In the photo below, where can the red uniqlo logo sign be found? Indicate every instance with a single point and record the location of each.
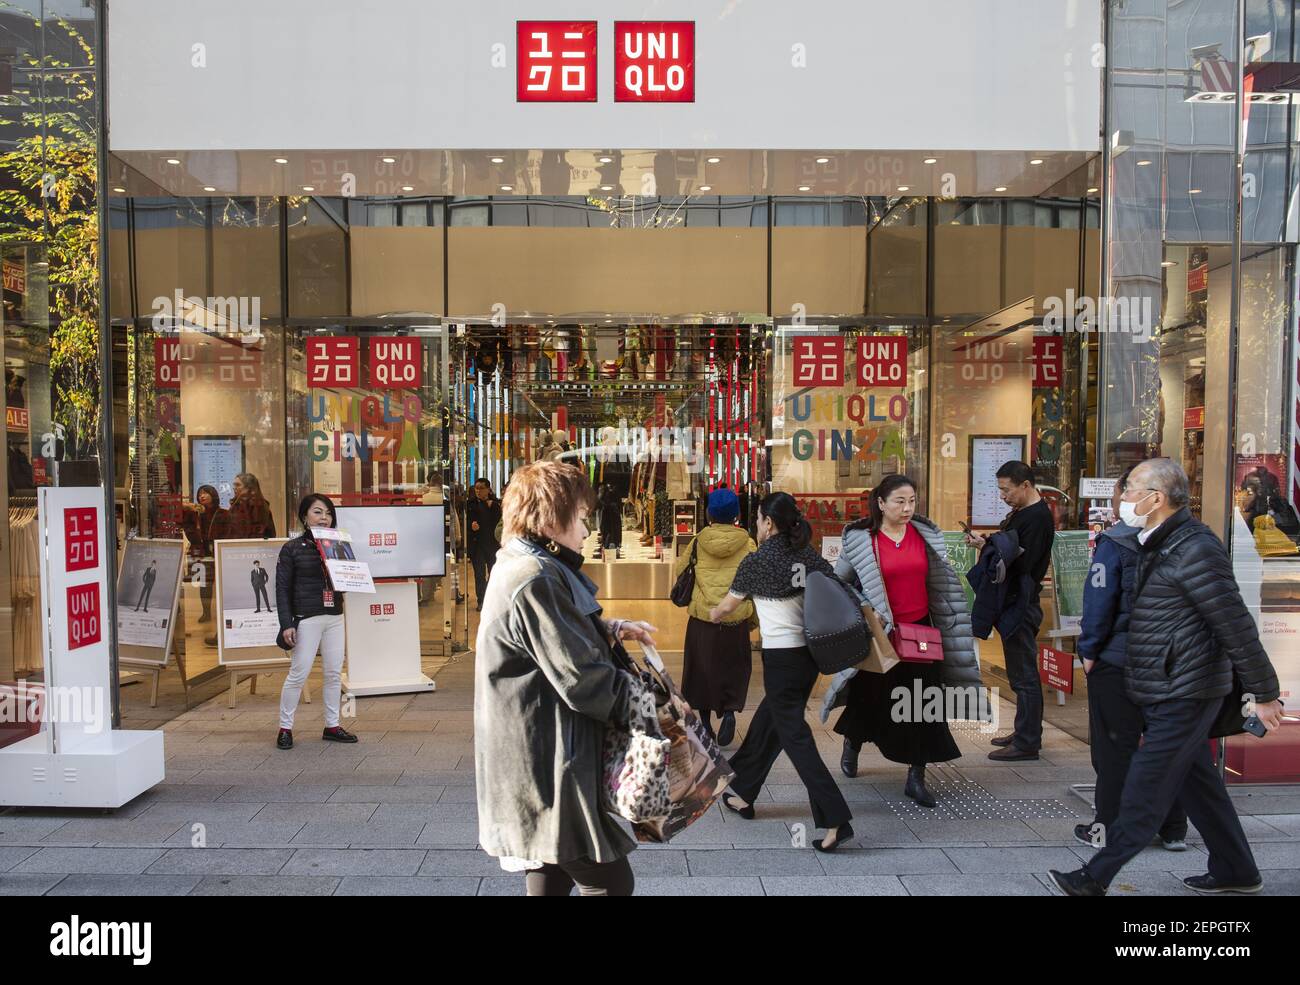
(389, 608)
(333, 361)
(819, 361)
(394, 363)
(654, 61)
(80, 538)
(374, 608)
(390, 540)
(1048, 350)
(882, 360)
(167, 364)
(83, 615)
(556, 62)
(376, 540)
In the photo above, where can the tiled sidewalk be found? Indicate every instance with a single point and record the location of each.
(395, 814)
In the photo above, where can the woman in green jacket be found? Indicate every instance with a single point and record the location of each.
(717, 660)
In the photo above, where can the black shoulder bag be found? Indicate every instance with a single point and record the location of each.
(684, 587)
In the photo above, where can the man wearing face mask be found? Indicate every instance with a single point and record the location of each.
(1189, 635)
(1114, 722)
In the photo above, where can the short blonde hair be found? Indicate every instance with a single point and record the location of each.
(544, 496)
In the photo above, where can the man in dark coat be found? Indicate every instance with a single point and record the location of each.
(483, 513)
(1189, 634)
(148, 578)
(259, 578)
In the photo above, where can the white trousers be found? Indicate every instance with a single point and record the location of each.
(326, 633)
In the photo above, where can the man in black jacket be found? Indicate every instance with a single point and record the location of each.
(1189, 634)
(483, 513)
(1032, 522)
(259, 578)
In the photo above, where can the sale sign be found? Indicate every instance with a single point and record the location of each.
(1056, 669)
(882, 360)
(818, 360)
(394, 364)
(333, 361)
(83, 615)
(556, 62)
(654, 61)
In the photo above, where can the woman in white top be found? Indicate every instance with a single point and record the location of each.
(774, 576)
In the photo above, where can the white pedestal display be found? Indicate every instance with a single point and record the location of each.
(383, 641)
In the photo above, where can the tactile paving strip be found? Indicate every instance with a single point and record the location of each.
(965, 800)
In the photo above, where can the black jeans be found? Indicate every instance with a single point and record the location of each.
(591, 878)
(779, 726)
(1173, 763)
(482, 564)
(1021, 652)
(1115, 730)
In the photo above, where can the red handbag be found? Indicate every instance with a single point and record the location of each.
(915, 643)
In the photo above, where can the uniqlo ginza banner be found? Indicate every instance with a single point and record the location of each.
(74, 589)
(497, 74)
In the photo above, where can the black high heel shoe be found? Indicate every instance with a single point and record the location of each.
(746, 812)
(842, 834)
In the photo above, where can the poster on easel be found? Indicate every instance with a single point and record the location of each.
(148, 595)
(247, 622)
(988, 453)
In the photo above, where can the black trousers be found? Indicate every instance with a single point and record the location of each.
(260, 596)
(1021, 652)
(1115, 730)
(1173, 763)
(591, 878)
(779, 726)
(482, 565)
(143, 599)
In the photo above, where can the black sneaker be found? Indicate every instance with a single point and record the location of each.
(284, 740)
(1083, 834)
(1077, 883)
(338, 734)
(1207, 884)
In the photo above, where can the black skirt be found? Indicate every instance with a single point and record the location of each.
(716, 665)
(868, 715)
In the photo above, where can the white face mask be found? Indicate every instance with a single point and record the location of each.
(1129, 514)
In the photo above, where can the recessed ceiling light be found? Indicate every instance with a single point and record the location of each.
(1093, 191)
(714, 160)
(823, 160)
(309, 188)
(904, 188)
(706, 188)
(172, 160)
(209, 188)
(931, 160)
(607, 188)
(498, 160)
(408, 188)
(507, 188)
(605, 160)
(1193, 191)
(1168, 263)
(389, 160)
(1036, 160)
(805, 188)
(281, 160)
(1000, 188)
(1143, 164)
(122, 191)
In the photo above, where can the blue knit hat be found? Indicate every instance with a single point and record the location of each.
(723, 505)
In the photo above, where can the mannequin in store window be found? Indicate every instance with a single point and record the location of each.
(311, 619)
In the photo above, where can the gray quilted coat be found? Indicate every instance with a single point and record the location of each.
(947, 606)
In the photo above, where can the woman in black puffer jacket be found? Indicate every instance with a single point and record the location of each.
(311, 617)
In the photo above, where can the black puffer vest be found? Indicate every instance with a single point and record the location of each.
(1189, 629)
(300, 583)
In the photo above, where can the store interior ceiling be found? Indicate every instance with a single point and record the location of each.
(615, 172)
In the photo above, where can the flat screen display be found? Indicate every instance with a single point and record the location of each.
(397, 541)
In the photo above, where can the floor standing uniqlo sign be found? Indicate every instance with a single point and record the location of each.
(1056, 669)
(333, 361)
(654, 61)
(818, 360)
(80, 539)
(556, 61)
(882, 360)
(83, 615)
(394, 364)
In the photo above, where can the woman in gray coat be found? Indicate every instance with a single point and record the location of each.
(546, 686)
(897, 561)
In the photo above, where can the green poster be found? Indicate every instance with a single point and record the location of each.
(1071, 561)
(962, 557)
